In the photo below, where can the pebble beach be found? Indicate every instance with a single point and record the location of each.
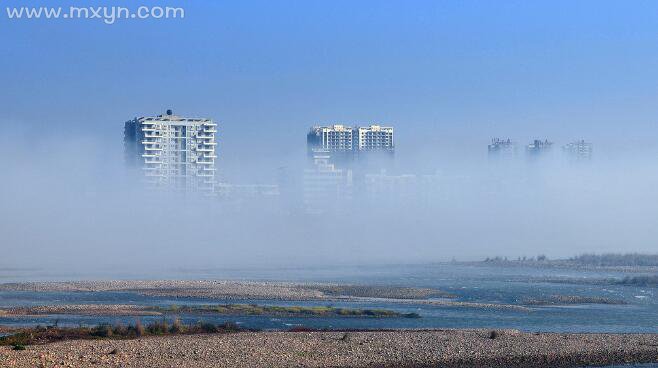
(427, 348)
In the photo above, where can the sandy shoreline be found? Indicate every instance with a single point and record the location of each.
(445, 348)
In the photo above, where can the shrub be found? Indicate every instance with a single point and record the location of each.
(120, 330)
(139, 328)
(206, 327)
(158, 328)
(230, 327)
(102, 330)
(177, 326)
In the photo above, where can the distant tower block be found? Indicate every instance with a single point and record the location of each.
(501, 148)
(538, 147)
(174, 152)
(578, 150)
(344, 143)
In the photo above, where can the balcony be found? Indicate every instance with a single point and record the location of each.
(149, 155)
(209, 156)
(209, 162)
(205, 136)
(209, 130)
(204, 149)
(152, 148)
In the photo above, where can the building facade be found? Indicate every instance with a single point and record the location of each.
(501, 147)
(538, 147)
(335, 138)
(578, 150)
(350, 141)
(375, 138)
(174, 152)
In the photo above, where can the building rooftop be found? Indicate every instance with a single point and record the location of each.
(169, 116)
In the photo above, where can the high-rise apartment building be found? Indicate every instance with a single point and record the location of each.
(501, 147)
(350, 141)
(335, 138)
(538, 147)
(174, 152)
(579, 150)
(375, 138)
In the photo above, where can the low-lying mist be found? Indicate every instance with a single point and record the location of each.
(69, 205)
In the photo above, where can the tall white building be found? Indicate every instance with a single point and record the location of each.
(374, 138)
(174, 152)
(501, 147)
(578, 150)
(333, 138)
(350, 140)
(538, 147)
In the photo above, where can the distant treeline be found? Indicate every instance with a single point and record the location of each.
(586, 260)
(596, 260)
(651, 280)
(498, 259)
(616, 259)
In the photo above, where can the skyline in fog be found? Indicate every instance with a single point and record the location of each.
(449, 76)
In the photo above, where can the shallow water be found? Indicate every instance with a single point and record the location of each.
(469, 283)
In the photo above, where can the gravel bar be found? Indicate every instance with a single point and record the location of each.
(222, 289)
(240, 290)
(426, 348)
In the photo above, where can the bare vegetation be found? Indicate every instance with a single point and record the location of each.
(40, 335)
(218, 309)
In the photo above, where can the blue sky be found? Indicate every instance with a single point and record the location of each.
(455, 72)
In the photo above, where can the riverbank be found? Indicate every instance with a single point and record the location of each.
(445, 348)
